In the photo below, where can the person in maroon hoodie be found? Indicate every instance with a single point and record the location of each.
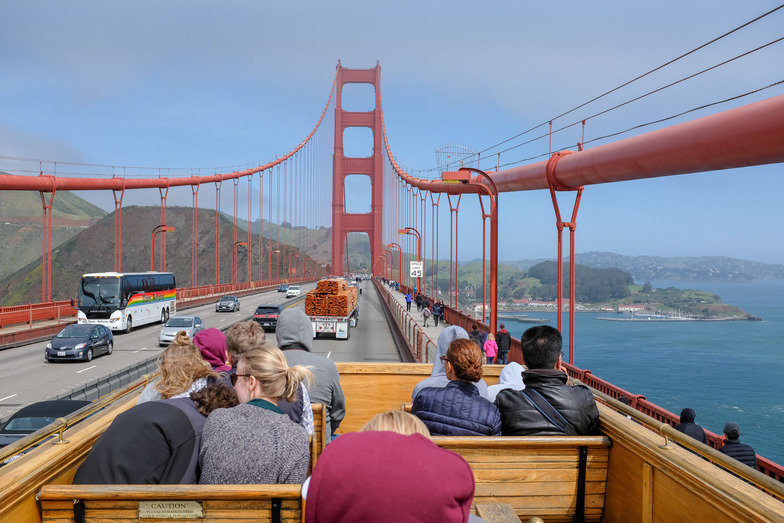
(212, 346)
(504, 341)
(386, 476)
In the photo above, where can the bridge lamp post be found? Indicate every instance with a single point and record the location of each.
(399, 260)
(234, 259)
(160, 228)
(269, 263)
(292, 262)
(411, 230)
(463, 176)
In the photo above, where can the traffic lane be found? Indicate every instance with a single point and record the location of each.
(371, 340)
(26, 378)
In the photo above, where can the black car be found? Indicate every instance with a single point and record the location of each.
(283, 287)
(267, 315)
(228, 303)
(33, 417)
(80, 341)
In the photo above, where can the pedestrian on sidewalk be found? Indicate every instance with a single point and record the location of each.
(408, 300)
(426, 315)
(436, 313)
(418, 301)
(490, 348)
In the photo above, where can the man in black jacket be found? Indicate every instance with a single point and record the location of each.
(688, 427)
(520, 417)
(504, 341)
(735, 449)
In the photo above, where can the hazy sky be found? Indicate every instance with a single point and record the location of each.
(231, 84)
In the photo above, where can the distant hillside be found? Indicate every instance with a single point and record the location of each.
(703, 268)
(21, 232)
(92, 250)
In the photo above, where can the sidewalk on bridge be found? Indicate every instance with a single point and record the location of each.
(431, 331)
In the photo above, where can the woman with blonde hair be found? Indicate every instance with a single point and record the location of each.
(182, 369)
(398, 421)
(255, 442)
(458, 409)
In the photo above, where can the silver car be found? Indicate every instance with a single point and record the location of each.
(190, 324)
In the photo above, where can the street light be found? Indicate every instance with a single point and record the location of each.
(234, 258)
(399, 260)
(463, 176)
(411, 230)
(292, 262)
(269, 263)
(164, 228)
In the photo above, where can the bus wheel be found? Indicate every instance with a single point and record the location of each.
(129, 325)
(163, 316)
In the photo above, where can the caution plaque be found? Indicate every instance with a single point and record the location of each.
(171, 509)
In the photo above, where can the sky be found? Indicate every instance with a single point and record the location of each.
(198, 87)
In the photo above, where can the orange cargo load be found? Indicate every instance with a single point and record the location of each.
(331, 298)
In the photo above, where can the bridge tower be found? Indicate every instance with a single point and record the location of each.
(342, 166)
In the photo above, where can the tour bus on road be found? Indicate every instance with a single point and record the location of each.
(124, 300)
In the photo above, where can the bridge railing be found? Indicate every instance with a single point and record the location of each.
(421, 346)
(35, 312)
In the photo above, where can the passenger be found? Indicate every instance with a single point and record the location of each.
(511, 378)
(255, 442)
(560, 408)
(295, 338)
(490, 348)
(385, 476)
(458, 409)
(688, 427)
(504, 341)
(182, 369)
(212, 346)
(243, 335)
(438, 374)
(398, 421)
(735, 449)
(156, 442)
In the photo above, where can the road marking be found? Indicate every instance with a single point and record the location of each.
(143, 348)
(8, 397)
(88, 368)
(329, 353)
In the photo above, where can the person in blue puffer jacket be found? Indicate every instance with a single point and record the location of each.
(458, 409)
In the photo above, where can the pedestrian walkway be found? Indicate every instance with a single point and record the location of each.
(431, 331)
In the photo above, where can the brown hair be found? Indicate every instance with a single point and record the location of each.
(398, 421)
(181, 364)
(277, 379)
(466, 359)
(243, 335)
(218, 396)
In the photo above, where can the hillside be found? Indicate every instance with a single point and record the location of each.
(92, 250)
(21, 231)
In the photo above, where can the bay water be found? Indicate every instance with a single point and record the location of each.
(725, 371)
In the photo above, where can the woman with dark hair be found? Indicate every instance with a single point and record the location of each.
(458, 409)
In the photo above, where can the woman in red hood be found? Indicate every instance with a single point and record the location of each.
(384, 476)
(212, 346)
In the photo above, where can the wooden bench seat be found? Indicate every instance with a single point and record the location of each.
(558, 478)
(125, 503)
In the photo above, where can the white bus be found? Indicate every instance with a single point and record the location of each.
(122, 301)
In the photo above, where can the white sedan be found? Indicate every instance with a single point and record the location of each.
(293, 291)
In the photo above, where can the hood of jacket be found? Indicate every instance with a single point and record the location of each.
(294, 327)
(447, 336)
(212, 346)
(688, 415)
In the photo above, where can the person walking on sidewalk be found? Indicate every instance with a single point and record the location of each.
(504, 340)
(418, 301)
(437, 313)
(426, 315)
(408, 301)
(490, 348)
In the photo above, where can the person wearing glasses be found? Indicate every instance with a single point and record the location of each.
(255, 442)
(458, 409)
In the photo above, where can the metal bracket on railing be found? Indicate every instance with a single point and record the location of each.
(60, 440)
(666, 445)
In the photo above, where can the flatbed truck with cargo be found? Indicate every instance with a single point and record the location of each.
(333, 308)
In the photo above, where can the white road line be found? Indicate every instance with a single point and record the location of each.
(8, 397)
(88, 368)
(329, 353)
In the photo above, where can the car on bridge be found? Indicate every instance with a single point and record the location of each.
(267, 316)
(80, 341)
(228, 304)
(283, 287)
(190, 324)
(293, 291)
(36, 416)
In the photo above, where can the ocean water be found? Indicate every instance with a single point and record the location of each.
(725, 371)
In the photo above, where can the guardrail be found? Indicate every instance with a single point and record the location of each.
(34, 312)
(421, 346)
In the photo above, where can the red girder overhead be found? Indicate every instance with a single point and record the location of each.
(343, 222)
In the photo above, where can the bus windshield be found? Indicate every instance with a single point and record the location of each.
(99, 293)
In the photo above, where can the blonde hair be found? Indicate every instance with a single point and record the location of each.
(268, 365)
(243, 335)
(491, 337)
(398, 421)
(181, 364)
